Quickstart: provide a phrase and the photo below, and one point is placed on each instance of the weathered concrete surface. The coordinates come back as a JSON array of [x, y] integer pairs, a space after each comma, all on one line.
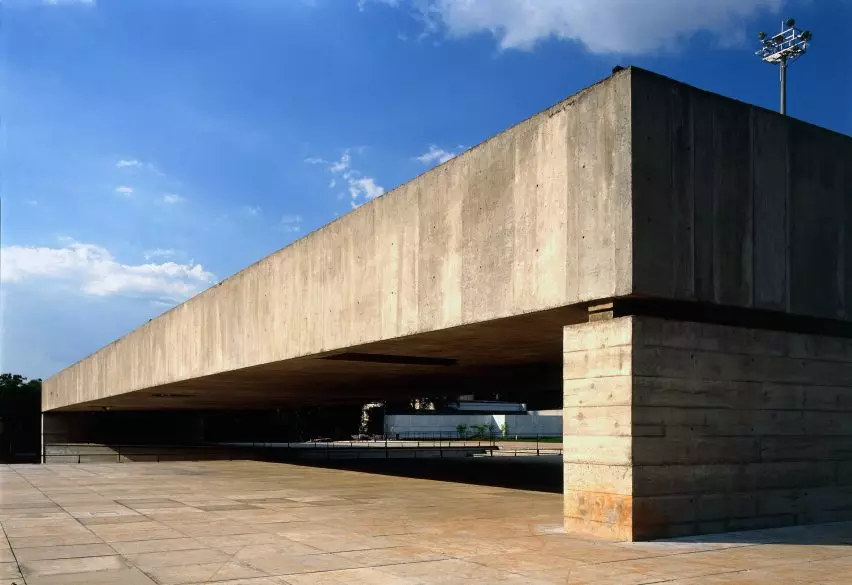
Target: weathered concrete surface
[[535, 218], [675, 428], [637, 186], [597, 421], [737, 205]]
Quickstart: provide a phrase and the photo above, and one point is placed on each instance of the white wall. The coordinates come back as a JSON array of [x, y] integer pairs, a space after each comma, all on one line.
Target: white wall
[[532, 423]]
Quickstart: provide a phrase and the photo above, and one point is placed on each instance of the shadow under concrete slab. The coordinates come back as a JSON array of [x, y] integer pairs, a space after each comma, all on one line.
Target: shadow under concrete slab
[[831, 533], [541, 474]]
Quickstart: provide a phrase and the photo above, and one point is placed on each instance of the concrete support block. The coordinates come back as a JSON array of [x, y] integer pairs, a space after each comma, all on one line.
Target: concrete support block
[[597, 419], [675, 428]]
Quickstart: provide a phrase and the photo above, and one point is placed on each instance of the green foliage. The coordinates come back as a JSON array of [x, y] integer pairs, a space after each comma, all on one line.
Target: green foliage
[[418, 404], [375, 420], [504, 430], [462, 431], [16, 390], [20, 416], [17, 383]]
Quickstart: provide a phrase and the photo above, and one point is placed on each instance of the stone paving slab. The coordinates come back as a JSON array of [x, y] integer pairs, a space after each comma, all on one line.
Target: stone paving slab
[[254, 523]]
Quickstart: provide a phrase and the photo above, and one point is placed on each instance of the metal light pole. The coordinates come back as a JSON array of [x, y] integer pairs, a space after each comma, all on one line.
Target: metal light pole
[[784, 48]]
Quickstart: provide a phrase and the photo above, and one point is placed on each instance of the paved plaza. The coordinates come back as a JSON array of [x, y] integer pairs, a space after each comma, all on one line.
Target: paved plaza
[[254, 523]]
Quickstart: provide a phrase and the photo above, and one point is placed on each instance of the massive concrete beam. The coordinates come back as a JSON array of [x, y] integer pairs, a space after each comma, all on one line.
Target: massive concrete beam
[[638, 186], [736, 205], [534, 218]]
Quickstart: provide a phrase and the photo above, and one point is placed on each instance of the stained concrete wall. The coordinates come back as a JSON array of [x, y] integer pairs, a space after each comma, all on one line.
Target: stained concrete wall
[[598, 458], [536, 217], [675, 428], [738, 205]]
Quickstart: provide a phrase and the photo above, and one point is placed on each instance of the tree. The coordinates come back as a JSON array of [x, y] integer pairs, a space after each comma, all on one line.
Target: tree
[[20, 417], [12, 383]]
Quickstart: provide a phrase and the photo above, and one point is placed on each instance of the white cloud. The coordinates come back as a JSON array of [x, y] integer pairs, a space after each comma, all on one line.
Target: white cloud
[[96, 272], [172, 198], [251, 210], [31, 202], [363, 3], [342, 164], [158, 253], [291, 223], [364, 188], [435, 154], [361, 188], [136, 164], [69, 2], [124, 190], [602, 26], [337, 166]]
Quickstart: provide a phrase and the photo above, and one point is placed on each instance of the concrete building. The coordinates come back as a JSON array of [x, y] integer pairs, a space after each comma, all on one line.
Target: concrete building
[[532, 424], [678, 263]]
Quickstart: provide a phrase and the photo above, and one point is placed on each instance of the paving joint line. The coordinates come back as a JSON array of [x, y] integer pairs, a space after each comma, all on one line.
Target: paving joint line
[[14, 556], [667, 580], [351, 568], [124, 558]]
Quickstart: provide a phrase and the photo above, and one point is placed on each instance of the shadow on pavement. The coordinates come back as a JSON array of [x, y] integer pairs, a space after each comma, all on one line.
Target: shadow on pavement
[[542, 474], [831, 534]]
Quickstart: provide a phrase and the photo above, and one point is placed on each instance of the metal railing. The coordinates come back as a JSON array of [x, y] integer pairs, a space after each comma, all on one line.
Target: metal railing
[[425, 443], [368, 448], [101, 453], [500, 444]]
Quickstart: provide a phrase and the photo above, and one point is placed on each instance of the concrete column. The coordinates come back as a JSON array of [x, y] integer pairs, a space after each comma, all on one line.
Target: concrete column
[[597, 428], [675, 428]]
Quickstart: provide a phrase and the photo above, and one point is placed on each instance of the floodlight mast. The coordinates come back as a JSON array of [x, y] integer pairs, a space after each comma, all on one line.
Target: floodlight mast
[[784, 48]]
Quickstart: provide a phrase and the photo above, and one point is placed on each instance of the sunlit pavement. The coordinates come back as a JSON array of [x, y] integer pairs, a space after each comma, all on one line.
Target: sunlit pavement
[[254, 523]]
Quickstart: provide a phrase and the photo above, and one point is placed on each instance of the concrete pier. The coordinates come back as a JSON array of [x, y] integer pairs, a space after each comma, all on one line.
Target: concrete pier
[[675, 428]]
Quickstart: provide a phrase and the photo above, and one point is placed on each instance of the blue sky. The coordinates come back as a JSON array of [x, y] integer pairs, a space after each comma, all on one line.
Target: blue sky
[[154, 147]]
